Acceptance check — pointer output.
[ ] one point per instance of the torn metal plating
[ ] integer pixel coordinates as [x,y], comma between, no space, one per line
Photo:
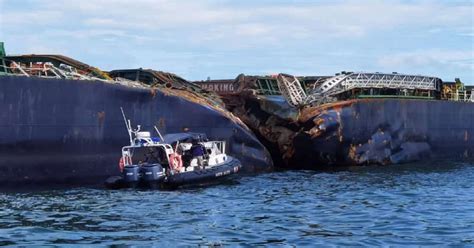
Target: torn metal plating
[345,132]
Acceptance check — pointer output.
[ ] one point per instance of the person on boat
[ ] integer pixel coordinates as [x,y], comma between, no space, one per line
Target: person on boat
[197,151]
[152,156]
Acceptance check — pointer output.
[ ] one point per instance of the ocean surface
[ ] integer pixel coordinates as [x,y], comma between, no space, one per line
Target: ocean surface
[412,204]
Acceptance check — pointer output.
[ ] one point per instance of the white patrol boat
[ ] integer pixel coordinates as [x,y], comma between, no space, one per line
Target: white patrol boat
[171,160]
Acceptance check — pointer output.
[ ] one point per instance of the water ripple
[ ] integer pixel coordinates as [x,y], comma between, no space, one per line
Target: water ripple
[378,206]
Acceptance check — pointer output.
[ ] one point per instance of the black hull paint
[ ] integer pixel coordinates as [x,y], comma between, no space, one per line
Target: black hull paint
[201,177]
[231,166]
[387,131]
[70,132]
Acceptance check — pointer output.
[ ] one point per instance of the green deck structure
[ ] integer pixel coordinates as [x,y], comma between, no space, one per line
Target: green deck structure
[2,50]
[3,69]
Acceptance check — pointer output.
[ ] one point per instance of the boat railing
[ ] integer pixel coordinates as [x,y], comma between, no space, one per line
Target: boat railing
[220,145]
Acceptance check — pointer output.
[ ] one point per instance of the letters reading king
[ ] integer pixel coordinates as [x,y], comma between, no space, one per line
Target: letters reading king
[221,87]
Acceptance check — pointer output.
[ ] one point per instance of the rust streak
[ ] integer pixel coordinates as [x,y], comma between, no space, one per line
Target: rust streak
[308,113]
[101,117]
[153,92]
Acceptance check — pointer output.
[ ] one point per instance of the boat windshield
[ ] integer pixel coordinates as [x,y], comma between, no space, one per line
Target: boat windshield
[148,155]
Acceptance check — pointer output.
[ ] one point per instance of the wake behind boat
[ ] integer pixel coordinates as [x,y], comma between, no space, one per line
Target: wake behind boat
[171,161]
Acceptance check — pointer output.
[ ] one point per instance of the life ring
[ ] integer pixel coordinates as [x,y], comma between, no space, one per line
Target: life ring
[122,162]
[176,162]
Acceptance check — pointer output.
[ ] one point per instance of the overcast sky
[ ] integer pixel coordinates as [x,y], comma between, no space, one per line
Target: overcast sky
[220,39]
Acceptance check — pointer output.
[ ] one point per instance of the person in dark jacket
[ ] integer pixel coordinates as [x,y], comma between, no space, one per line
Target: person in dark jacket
[197,151]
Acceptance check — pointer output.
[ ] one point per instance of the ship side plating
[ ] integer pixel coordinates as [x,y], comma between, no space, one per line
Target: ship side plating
[69,131]
[61,123]
[353,118]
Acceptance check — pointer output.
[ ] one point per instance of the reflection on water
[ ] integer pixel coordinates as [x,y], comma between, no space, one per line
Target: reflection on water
[414,204]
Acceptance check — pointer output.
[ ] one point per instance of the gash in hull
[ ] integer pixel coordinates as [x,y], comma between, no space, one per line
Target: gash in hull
[354,118]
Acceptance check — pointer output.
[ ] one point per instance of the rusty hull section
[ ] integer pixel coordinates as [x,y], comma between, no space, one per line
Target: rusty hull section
[385,131]
[359,132]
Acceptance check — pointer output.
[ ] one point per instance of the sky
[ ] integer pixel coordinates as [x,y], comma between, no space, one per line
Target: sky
[197,39]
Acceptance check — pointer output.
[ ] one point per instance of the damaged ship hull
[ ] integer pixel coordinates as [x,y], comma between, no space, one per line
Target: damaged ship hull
[387,131]
[353,118]
[363,131]
[56,131]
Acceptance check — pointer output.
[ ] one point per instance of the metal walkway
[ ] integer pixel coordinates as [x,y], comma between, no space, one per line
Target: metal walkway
[391,81]
[293,91]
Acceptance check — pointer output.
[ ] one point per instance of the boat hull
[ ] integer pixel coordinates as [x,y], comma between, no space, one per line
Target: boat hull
[70,132]
[231,166]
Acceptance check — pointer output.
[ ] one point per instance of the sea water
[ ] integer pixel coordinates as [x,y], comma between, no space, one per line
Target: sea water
[412,204]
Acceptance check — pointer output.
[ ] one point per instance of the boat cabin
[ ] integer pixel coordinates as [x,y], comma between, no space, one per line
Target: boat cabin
[153,150]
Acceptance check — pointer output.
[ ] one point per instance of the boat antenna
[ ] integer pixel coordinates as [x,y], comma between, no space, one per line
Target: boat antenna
[176,148]
[159,134]
[128,125]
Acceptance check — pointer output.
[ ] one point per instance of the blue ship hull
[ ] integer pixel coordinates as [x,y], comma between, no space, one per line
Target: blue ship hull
[385,131]
[361,131]
[70,132]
